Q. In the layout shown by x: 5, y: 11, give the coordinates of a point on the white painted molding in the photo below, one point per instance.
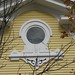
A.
x: 38, y: 23
x: 36, y: 54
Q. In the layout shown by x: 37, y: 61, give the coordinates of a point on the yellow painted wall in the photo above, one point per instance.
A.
x: 12, y: 67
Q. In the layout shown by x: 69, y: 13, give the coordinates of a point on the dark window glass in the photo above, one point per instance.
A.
x: 35, y: 35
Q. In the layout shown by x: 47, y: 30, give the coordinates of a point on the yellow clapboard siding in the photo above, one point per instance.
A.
x: 54, y: 43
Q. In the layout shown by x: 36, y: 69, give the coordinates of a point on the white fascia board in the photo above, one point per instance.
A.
x: 57, y: 3
x: 53, y: 4
x: 50, y: 3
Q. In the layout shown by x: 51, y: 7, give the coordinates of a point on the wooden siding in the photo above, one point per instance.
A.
x: 12, y: 67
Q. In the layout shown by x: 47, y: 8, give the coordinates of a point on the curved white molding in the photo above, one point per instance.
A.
x: 35, y: 23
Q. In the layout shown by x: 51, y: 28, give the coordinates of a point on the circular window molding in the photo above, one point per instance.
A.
x: 35, y: 31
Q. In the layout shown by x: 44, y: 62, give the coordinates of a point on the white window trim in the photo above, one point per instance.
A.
x: 35, y: 23
x: 35, y: 52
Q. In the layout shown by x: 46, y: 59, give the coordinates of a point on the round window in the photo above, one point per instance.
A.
x: 35, y: 35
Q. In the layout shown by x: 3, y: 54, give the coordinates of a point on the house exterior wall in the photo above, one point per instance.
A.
x: 16, y: 67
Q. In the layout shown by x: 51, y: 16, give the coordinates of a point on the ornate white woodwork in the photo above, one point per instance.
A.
x: 36, y: 52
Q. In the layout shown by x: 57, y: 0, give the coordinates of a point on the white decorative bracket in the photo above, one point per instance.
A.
x: 35, y: 34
